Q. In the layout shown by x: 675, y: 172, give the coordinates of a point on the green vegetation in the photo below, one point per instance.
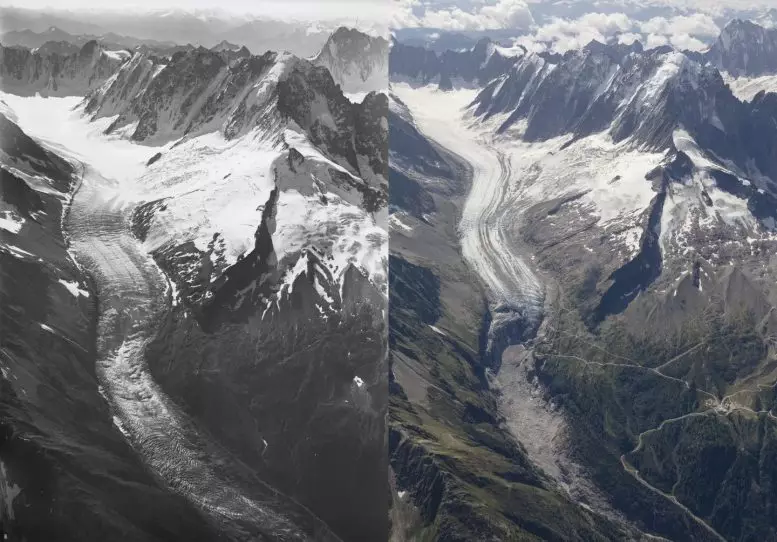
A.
x: 687, y: 410
x: 467, y: 476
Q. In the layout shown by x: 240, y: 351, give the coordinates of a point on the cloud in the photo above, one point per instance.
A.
x: 685, y: 41
x: 509, y: 14
x: 513, y: 14
x: 306, y: 10
x: 565, y: 34
x: 691, y: 32
x: 629, y: 37
x: 621, y: 20
x: 715, y: 8
x: 656, y: 40
x: 531, y: 44
x: 698, y: 24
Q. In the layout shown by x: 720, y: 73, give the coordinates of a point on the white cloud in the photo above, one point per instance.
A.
x: 698, y: 24
x: 531, y: 44
x: 691, y: 32
x: 307, y: 10
x: 606, y: 23
x: 688, y: 28
x: 509, y: 14
x: 715, y: 8
x: 565, y: 34
x: 500, y: 14
x: 629, y: 37
x: 656, y: 40
x: 685, y: 41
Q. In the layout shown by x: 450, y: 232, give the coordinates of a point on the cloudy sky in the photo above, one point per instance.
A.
x: 566, y: 24
x: 309, y: 10
x: 559, y: 25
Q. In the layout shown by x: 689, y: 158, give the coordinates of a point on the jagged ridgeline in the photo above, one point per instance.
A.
x: 206, y: 251
x: 640, y: 187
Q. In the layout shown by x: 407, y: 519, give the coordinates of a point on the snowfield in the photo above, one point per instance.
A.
x: 210, y: 186
x: 745, y: 88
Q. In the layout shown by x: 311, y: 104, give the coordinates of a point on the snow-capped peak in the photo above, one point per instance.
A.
x: 357, y: 61
x: 745, y: 48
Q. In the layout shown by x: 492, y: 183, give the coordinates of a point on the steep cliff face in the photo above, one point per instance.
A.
x: 25, y: 72
x: 472, y: 67
x: 358, y: 62
x: 302, y: 306
x: 745, y: 49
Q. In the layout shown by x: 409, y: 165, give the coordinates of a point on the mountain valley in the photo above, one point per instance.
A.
x: 220, y: 219
x: 621, y: 221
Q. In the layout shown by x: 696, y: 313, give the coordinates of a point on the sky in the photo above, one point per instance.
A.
x: 277, y: 9
x: 558, y: 25
x: 561, y: 25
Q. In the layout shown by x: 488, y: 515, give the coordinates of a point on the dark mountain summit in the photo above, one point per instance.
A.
x: 745, y: 49
x: 357, y: 61
x: 224, y: 45
x: 57, y: 73
x: 475, y: 66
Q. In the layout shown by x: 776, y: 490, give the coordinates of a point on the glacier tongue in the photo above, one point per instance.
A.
x: 485, y: 234
x: 132, y: 292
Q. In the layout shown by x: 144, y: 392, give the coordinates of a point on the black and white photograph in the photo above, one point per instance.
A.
x: 193, y: 272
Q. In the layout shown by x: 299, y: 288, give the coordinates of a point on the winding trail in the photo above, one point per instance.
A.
x: 630, y: 469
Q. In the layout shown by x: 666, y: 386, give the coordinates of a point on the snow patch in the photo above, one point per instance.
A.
x: 73, y: 288
x: 16, y: 251
x: 438, y: 330
x: 356, y: 97
x: 8, y: 491
x: 746, y: 88
x: 397, y: 222
x: 118, y: 55
x: 11, y: 222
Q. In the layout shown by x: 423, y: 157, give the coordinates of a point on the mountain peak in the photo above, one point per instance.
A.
x: 482, y: 46
x: 224, y: 45
x: 351, y: 41
x: 742, y: 24
x: 745, y: 48
x: 343, y: 32
x: 90, y: 48
x: 357, y: 61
